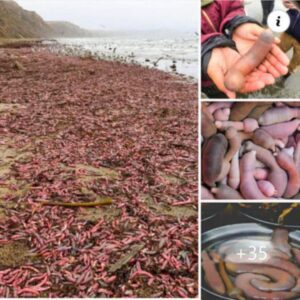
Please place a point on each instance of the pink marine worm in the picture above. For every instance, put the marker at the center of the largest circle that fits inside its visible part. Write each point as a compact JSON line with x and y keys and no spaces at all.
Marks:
{"x":245,"y":283}
{"x":267,"y":188}
{"x":222,"y":114}
{"x":234,"y":172}
{"x":212,"y":276}
{"x":247,"y":125}
{"x":277,"y":176}
{"x":287,"y":163}
{"x":234,"y":146}
{"x":235,"y":77}
{"x":282,"y":130}
{"x":248,"y":185}
{"x":225,"y":192}
{"x":213,"y":154}
{"x":279,"y":115}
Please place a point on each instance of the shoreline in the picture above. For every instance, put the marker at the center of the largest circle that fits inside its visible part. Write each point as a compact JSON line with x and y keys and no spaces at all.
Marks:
{"x":165,"y":63}
{"x":76,"y":129}
{"x":48,"y":42}
{"x":19,"y":43}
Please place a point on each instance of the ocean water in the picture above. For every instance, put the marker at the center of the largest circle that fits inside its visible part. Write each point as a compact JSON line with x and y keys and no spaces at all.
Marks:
{"x":173,"y":52}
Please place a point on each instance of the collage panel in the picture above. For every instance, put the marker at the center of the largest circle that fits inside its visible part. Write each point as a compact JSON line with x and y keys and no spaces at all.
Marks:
{"x":250,"y":49}
{"x":99,"y":149}
{"x":134,"y":135}
{"x":250,"y":150}
{"x":250,"y":251}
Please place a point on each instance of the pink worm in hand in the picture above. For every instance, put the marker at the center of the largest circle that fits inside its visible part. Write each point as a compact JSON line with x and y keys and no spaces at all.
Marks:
{"x":235,"y":77}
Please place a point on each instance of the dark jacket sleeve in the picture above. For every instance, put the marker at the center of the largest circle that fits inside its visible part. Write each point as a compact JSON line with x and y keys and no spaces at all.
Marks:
{"x":294,"y":29}
{"x":230,"y":10}
{"x":231,"y":14}
{"x":234,"y":16}
{"x":207,"y":36}
{"x":232,"y":24}
{"x":208,"y":46}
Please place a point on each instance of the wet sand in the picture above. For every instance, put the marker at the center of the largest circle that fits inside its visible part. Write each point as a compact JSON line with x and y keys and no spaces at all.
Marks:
{"x":78,"y":130}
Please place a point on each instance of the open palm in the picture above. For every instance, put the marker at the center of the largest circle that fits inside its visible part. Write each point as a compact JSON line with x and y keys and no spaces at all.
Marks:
{"x":222,"y":60}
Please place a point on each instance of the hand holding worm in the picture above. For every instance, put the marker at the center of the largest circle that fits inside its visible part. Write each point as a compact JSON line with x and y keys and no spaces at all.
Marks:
{"x":235,"y":77}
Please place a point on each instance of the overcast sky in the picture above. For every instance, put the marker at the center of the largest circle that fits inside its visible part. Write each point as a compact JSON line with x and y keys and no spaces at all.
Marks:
{"x":120,"y":14}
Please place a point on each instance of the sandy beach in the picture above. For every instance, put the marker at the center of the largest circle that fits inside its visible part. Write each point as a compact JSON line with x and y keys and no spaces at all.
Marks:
{"x":77,"y":130}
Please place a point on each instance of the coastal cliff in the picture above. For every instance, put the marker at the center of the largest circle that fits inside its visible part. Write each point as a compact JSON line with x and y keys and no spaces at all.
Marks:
{"x":16,"y":22}
{"x":69,"y":30}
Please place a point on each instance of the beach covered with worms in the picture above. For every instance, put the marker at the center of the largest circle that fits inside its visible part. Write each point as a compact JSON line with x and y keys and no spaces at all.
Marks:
{"x":76,"y":130}
{"x":250,"y":150}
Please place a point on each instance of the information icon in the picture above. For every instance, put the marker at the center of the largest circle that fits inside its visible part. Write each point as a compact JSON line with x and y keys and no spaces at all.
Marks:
{"x":279,"y":21}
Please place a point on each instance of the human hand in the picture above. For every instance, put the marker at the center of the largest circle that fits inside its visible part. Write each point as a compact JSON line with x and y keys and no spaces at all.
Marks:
{"x":276,"y":61}
{"x":222,"y":59}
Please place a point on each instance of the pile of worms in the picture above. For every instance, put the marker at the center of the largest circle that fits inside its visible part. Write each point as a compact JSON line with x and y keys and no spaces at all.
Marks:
{"x":136,"y":123}
{"x":275,"y":275}
{"x":250,"y":150}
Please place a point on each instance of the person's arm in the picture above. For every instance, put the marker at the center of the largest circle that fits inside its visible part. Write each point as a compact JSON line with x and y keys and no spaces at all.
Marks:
{"x":234,"y":17}
{"x":230,"y":10}
{"x":232,"y":14}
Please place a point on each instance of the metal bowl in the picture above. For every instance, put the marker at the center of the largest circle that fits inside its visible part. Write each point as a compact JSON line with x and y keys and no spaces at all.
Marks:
{"x":214,"y":210}
{"x":218,"y":235}
{"x":252,"y":215}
